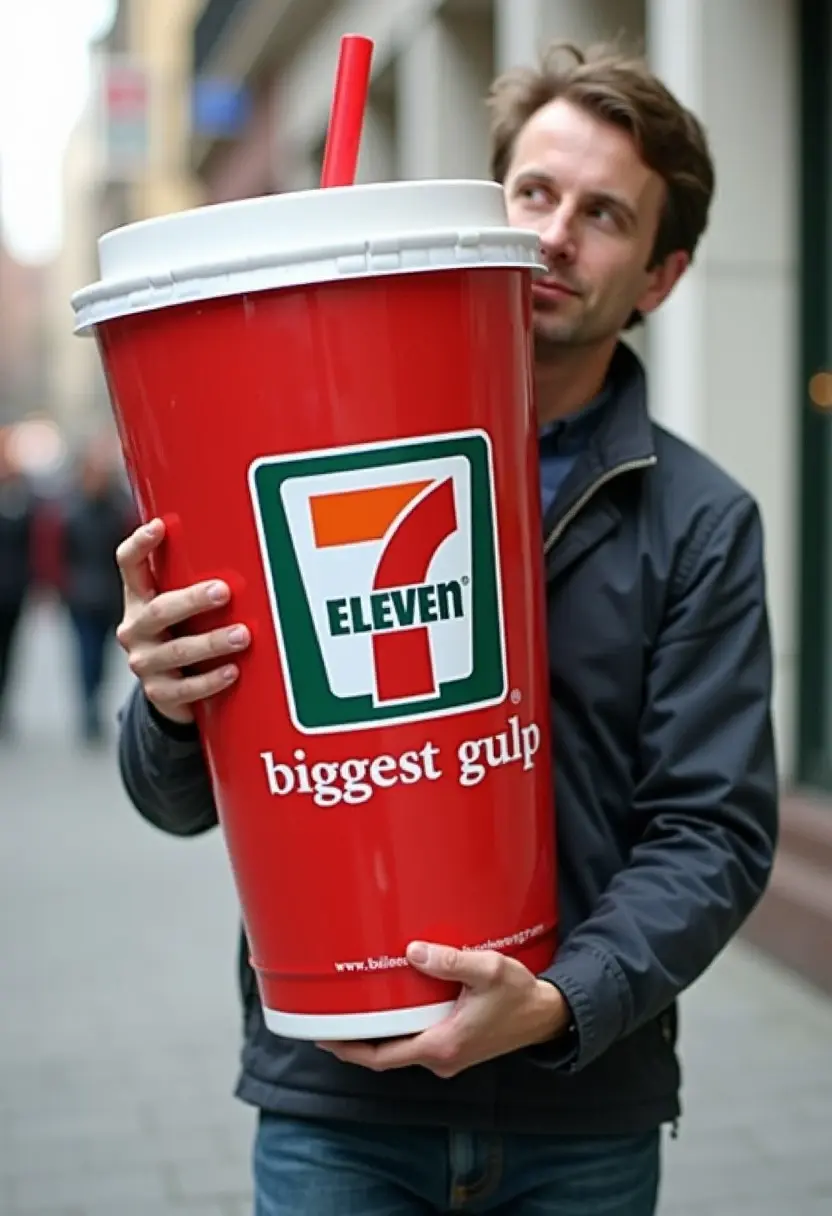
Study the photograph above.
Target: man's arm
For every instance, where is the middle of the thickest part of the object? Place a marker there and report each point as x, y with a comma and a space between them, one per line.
164, 771
707, 798
160, 754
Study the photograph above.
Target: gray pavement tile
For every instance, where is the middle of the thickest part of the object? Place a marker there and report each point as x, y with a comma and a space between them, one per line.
87, 1188
229, 1137
211, 1178
13, 1210
805, 1135
674, 1207
129, 1209
241, 1207
743, 1180
798, 1205
202, 1208
697, 1143
24, 1158
54, 1128
116, 1152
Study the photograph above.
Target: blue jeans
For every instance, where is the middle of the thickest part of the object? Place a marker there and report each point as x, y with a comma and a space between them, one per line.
316, 1168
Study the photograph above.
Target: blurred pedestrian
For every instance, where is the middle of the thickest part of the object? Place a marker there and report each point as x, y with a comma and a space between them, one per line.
17, 520
91, 519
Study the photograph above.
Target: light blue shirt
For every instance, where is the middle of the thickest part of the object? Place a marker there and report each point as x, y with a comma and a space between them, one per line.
562, 442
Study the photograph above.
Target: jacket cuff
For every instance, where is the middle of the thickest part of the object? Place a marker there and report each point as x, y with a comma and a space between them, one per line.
177, 732
597, 992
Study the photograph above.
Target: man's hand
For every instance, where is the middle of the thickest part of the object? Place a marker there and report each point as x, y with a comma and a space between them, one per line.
502, 1007
153, 654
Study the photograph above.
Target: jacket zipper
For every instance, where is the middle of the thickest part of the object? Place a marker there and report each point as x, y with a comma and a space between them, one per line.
646, 462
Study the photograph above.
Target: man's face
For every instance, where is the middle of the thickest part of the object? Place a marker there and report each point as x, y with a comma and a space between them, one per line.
581, 184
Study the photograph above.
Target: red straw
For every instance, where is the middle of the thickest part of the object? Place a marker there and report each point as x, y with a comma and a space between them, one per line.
349, 101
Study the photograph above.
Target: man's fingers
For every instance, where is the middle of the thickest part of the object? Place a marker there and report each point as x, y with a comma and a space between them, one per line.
438, 1049
353, 1053
169, 693
164, 664
186, 652
398, 1053
171, 608
132, 555
473, 968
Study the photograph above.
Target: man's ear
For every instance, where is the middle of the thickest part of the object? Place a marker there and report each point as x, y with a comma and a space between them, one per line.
661, 281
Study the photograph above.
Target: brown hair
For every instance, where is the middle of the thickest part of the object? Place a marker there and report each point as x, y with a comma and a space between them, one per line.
622, 91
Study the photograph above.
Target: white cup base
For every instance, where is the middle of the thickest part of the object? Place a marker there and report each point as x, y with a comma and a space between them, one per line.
333, 1027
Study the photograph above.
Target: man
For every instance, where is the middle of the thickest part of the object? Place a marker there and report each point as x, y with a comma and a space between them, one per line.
547, 1094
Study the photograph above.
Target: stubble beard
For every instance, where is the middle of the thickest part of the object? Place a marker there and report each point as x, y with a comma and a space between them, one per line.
554, 339
550, 344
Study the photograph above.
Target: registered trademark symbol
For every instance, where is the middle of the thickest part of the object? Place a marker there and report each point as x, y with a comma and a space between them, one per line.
465, 580
516, 696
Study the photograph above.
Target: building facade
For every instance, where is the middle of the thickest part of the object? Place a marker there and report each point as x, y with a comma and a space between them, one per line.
128, 158
77, 392
22, 336
23, 382
739, 359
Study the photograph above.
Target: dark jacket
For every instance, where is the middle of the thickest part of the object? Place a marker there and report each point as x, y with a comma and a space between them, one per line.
666, 791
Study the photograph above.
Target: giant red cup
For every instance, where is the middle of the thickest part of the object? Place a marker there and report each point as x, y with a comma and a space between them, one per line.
327, 397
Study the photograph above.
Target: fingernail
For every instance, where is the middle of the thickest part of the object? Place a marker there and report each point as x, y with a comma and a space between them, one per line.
229, 673
418, 952
218, 593
238, 636
151, 530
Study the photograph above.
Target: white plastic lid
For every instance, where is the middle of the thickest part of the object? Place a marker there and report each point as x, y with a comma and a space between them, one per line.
309, 236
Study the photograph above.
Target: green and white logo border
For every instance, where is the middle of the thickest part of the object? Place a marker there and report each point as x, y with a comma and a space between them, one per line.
401, 447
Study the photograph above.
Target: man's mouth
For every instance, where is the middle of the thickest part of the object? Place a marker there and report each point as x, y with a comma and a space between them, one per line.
550, 288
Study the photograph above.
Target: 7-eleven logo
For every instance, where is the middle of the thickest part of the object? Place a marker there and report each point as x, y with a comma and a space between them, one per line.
383, 573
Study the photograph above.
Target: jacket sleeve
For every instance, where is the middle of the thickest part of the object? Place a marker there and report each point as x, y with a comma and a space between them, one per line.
164, 770
706, 797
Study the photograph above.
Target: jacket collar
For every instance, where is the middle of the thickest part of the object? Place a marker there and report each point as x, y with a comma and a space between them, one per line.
622, 442
569, 436
625, 432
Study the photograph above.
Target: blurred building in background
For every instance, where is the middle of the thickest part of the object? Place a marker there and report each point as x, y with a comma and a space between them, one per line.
128, 159
144, 108
740, 359
23, 384
77, 391
234, 113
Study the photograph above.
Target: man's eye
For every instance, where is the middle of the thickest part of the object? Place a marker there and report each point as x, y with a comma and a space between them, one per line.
604, 214
534, 194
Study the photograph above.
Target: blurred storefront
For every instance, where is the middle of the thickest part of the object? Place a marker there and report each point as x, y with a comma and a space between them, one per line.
234, 109
142, 110
731, 356
23, 349
127, 159
22, 337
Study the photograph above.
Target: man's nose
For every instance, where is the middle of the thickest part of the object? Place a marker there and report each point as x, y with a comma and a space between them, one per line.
557, 237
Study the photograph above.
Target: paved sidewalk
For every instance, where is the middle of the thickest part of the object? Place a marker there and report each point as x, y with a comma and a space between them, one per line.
119, 1026
756, 1138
